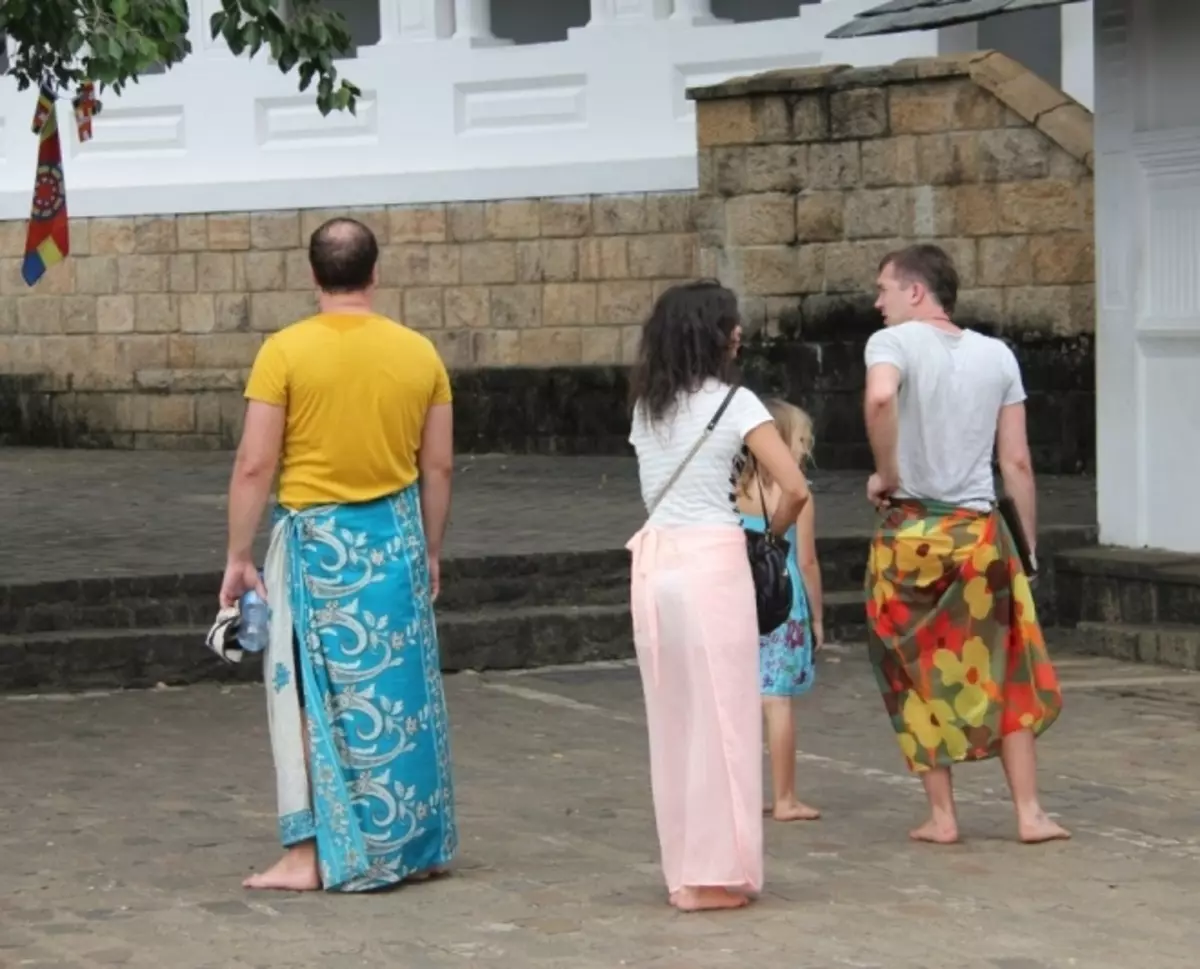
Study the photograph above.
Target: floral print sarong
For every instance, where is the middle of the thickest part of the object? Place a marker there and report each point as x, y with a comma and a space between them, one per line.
953, 634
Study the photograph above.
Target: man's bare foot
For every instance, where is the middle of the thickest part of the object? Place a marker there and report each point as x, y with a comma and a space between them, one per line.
707, 899
1038, 829
437, 871
296, 871
936, 831
790, 809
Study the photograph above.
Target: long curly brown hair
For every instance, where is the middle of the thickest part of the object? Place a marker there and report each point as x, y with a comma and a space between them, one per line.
686, 341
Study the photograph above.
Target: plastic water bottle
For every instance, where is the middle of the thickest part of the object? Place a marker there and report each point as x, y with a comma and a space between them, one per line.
254, 628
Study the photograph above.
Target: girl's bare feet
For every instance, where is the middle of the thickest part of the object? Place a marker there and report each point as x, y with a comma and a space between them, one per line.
789, 809
1038, 829
296, 871
938, 831
707, 899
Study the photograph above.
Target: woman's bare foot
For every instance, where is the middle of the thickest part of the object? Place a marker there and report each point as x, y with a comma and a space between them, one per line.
790, 809
296, 871
1038, 829
707, 899
938, 831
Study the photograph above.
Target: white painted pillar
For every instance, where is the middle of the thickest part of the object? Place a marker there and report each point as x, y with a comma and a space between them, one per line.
415, 20
605, 12
1079, 53
697, 13
1148, 274
200, 30
473, 23
958, 39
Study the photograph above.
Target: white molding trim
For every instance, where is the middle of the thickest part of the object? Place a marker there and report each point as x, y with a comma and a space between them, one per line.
612, 177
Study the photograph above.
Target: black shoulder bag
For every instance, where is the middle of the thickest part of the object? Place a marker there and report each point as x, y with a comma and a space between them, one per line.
767, 552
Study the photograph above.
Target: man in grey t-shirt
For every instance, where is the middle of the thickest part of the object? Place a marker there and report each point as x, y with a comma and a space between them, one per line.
954, 637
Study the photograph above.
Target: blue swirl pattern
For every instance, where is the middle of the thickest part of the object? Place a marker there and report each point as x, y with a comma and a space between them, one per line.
379, 748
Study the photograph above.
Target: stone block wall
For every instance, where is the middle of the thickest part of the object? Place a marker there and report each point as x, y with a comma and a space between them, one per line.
809, 177
144, 336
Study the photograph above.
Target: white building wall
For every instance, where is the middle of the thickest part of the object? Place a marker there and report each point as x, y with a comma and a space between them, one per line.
1148, 272
448, 113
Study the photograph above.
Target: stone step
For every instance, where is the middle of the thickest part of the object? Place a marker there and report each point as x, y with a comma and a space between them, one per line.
1175, 645
133, 658
1127, 585
480, 639
590, 578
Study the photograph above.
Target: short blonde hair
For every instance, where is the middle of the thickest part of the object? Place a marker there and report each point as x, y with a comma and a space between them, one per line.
795, 427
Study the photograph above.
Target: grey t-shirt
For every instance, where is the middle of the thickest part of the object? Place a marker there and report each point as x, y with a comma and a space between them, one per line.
952, 387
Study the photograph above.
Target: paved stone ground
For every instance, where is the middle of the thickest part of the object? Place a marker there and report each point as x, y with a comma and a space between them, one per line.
130, 819
75, 514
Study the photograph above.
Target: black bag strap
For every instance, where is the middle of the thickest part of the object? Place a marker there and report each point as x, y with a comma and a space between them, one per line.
771, 537
708, 429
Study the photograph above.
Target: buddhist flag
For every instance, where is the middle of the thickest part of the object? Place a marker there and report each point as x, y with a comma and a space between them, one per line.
48, 239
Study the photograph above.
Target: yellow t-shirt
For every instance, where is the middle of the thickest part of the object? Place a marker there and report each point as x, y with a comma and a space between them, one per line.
356, 388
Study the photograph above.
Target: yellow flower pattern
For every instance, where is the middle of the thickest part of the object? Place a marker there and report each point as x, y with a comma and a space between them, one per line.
971, 674
978, 597
923, 550
933, 725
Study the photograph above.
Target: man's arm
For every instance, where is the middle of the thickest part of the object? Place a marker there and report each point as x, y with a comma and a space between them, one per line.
1016, 468
883, 423
253, 473
435, 462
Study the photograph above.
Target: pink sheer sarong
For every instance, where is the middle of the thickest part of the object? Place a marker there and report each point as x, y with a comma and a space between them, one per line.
696, 633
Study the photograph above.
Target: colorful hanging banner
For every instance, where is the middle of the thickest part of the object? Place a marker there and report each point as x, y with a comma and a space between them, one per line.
86, 107
48, 240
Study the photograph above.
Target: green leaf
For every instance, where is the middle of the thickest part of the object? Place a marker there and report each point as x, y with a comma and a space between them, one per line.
233, 37
287, 58
120, 9
307, 71
217, 22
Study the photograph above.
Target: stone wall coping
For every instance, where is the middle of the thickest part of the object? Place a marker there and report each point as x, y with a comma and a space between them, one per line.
1058, 116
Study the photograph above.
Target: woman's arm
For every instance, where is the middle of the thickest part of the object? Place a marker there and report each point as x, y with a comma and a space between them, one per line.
810, 569
776, 458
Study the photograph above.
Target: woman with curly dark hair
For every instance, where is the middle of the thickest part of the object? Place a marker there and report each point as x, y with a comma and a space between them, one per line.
694, 616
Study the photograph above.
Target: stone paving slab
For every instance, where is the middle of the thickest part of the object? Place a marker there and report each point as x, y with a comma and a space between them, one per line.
80, 514
130, 819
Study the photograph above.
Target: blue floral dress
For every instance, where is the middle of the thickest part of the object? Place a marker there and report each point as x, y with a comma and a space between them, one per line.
785, 656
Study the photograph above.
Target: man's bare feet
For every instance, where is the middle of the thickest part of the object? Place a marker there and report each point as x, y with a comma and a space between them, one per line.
1038, 829
296, 871
938, 831
707, 899
790, 809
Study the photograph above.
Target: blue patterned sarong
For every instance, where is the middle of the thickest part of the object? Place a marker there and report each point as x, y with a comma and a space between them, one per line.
351, 582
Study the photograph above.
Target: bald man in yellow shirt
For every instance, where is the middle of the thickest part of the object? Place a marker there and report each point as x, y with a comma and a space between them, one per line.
354, 412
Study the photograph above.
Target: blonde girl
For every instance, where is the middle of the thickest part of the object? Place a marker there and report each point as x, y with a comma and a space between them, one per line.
786, 667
